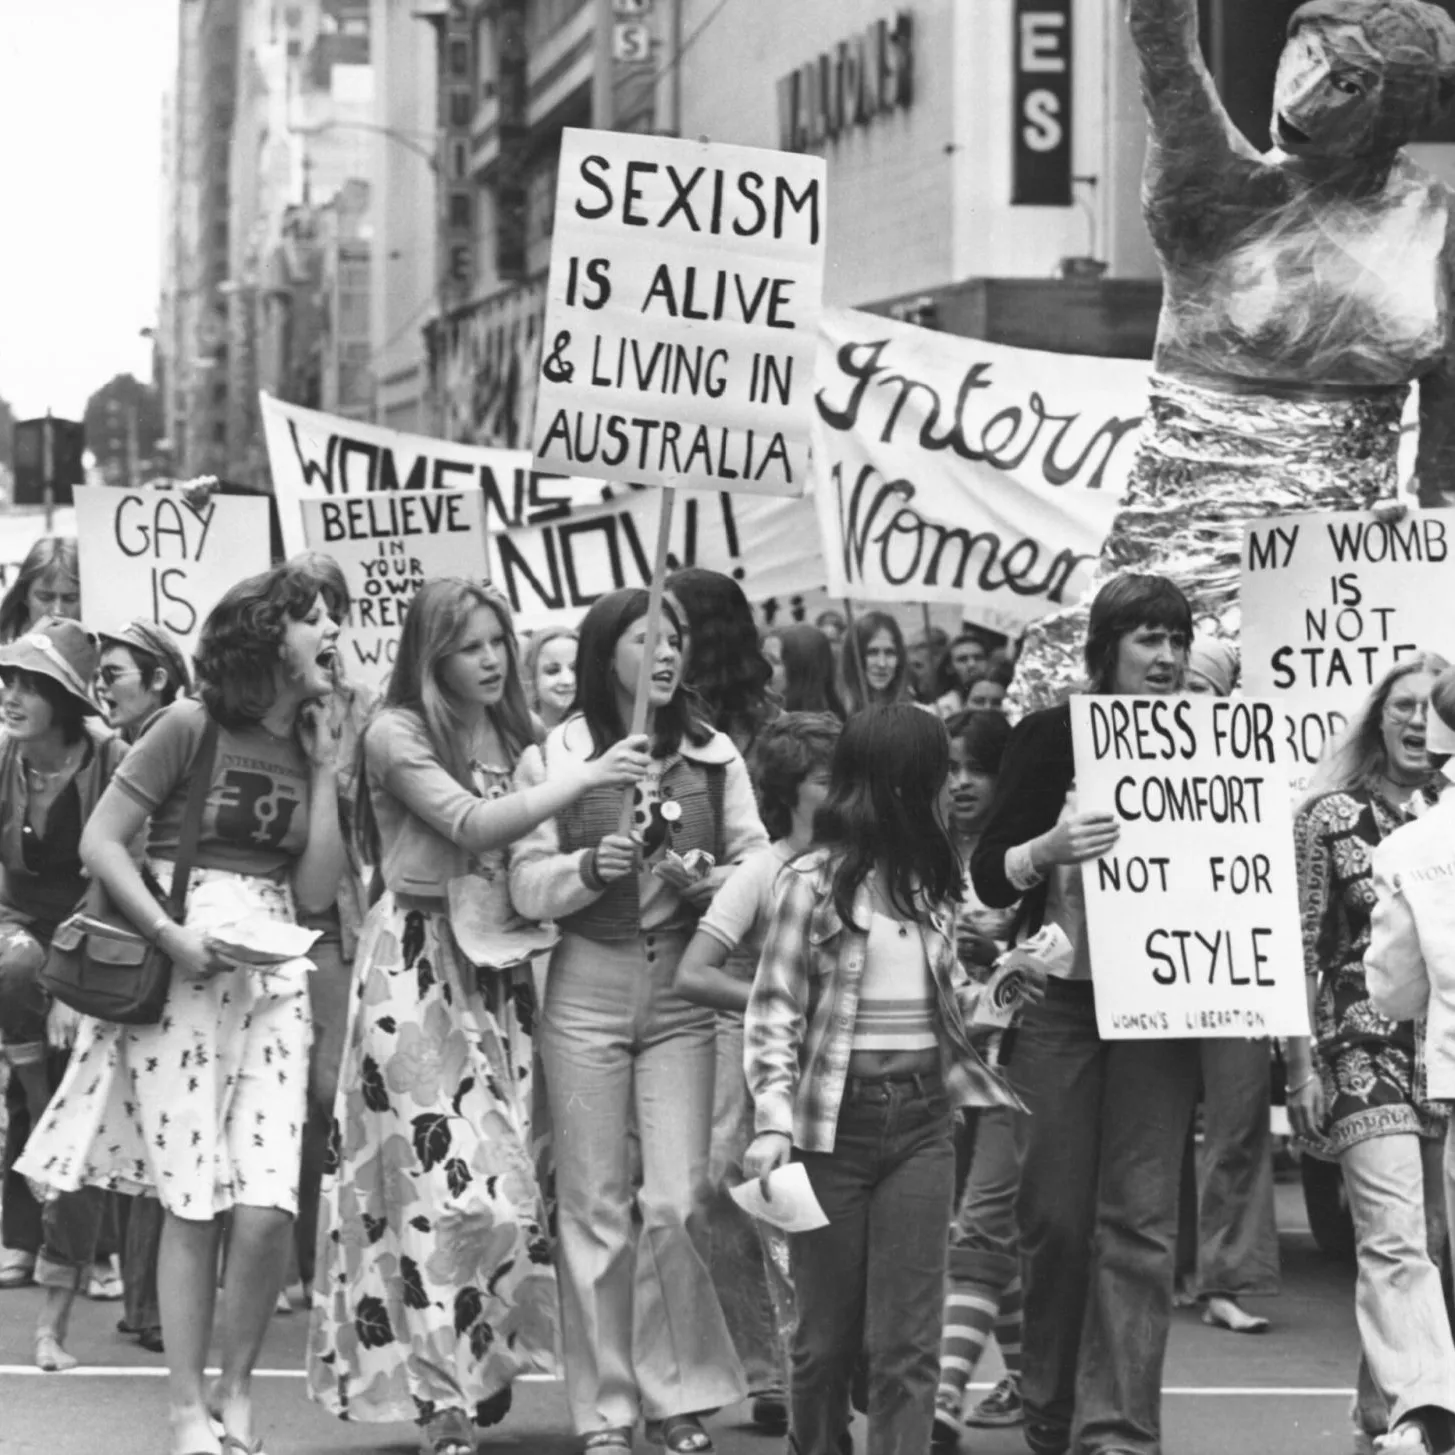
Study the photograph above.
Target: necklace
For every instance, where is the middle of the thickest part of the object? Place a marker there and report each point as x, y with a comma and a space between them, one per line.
41, 777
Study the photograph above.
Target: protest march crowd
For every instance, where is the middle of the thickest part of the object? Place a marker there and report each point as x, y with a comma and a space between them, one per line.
776, 1051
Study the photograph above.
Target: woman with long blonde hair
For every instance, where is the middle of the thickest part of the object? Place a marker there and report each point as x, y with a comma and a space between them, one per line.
435, 1287
1356, 1092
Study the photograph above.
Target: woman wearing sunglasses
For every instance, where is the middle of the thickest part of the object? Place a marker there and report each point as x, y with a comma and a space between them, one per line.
55, 760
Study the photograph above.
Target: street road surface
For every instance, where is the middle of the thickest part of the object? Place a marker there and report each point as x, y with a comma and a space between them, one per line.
1227, 1394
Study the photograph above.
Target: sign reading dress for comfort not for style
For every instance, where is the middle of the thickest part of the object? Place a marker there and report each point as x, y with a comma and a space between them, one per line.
1192, 920
149, 553
681, 314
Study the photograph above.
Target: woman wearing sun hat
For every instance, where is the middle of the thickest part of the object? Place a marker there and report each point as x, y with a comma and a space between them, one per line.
56, 758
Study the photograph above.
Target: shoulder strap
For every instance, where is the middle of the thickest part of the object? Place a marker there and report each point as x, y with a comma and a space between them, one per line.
192, 817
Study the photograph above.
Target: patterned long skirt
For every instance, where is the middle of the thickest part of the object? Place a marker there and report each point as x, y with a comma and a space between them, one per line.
435, 1286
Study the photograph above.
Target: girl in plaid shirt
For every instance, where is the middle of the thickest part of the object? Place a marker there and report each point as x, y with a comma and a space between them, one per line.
857, 1048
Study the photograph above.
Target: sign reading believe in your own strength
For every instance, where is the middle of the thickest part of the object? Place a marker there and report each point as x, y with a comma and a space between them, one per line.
149, 553
1192, 920
389, 546
681, 314
1330, 602
949, 469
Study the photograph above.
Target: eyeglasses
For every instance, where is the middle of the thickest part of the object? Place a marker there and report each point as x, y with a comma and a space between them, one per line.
110, 676
1406, 711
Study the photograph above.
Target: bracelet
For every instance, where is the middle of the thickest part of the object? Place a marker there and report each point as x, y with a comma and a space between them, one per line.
1307, 1081
154, 935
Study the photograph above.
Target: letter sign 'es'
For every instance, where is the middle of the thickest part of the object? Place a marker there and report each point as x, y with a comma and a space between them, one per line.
1042, 135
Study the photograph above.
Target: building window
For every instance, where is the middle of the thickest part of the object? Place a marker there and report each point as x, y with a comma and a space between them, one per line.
460, 59
219, 433
462, 107
219, 392
460, 210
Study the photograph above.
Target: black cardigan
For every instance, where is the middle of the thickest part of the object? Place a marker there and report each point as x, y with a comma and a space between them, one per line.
1036, 772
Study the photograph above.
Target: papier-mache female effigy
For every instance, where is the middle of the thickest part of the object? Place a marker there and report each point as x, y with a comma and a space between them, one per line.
1305, 290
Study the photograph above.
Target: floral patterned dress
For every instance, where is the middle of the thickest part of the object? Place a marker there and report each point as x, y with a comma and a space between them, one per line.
436, 1287
1372, 1068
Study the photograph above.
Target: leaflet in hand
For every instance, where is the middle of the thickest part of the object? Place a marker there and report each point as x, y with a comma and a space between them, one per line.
790, 1205
1048, 949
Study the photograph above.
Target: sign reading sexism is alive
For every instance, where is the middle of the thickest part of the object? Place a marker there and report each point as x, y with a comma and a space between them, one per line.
1330, 602
1193, 917
681, 315
149, 553
389, 545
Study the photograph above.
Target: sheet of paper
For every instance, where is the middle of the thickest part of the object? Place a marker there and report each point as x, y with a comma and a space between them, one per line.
790, 1204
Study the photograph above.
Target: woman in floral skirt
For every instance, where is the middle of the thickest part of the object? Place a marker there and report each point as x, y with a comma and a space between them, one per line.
435, 1287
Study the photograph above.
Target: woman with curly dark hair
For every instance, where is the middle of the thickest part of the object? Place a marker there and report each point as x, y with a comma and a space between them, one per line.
726, 667
207, 1106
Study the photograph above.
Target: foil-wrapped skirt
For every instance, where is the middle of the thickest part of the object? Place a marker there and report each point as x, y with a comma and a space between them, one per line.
1207, 463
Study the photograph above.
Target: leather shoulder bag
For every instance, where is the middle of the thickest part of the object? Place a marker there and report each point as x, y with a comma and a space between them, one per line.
98, 964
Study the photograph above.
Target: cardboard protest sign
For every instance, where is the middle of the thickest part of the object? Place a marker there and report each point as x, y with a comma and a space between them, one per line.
1193, 919
686, 280
389, 546
316, 456
949, 469
149, 553
552, 572
1330, 602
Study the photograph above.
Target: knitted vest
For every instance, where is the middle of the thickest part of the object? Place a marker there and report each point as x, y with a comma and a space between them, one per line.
617, 914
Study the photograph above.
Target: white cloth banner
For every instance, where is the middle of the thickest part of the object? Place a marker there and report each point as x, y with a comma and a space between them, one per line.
551, 544
949, 469
317, 456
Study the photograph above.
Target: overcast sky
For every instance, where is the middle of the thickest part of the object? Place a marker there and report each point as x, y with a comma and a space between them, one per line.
81, 84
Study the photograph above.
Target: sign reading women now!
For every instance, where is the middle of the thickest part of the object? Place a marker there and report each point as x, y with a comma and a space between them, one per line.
681, 315
1192, 919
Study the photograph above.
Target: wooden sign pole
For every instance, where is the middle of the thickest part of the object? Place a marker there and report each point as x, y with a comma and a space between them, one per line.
641, 706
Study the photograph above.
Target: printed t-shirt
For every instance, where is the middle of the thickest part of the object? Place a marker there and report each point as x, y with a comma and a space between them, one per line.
255, 820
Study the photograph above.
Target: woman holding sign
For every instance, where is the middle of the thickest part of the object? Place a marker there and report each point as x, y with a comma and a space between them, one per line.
1357, 1093
643, 1330
432, 1183
1097, 1207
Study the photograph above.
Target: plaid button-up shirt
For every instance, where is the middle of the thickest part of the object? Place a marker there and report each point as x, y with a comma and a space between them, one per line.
799, 1028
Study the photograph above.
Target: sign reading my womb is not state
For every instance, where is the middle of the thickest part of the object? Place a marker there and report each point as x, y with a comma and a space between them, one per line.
1192, 919
1330, 602
389, 545
681, 314
149, 553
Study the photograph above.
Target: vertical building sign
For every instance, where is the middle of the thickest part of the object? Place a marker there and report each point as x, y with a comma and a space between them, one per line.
1041, 175
512, 95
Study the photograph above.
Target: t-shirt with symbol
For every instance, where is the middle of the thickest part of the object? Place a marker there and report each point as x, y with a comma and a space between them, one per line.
256, 817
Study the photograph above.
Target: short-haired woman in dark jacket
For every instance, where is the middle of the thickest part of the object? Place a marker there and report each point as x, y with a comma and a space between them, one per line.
1097, 1208
642, 1330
